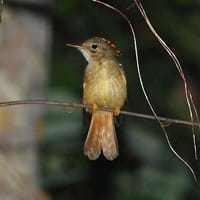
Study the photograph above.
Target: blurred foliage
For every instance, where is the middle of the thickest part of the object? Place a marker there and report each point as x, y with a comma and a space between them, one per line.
1, 9
146, 168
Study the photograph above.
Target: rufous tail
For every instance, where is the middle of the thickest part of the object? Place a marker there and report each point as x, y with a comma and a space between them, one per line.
101, 137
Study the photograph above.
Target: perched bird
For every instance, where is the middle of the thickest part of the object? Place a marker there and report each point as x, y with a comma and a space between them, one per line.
104, 85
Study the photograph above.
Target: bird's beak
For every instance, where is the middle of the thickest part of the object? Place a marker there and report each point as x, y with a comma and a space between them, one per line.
82, 49
74, 46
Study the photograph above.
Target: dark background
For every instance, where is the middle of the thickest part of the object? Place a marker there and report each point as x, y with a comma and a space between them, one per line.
145, 168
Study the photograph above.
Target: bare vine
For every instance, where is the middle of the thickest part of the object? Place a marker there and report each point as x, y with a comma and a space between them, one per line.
188, 95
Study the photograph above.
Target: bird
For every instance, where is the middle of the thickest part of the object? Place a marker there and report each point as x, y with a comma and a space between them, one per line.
104, 85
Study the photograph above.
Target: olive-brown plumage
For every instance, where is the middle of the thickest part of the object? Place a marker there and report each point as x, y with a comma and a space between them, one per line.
104, 85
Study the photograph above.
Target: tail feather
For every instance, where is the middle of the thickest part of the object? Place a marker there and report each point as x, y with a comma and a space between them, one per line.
101, 136
109, 142
92, 146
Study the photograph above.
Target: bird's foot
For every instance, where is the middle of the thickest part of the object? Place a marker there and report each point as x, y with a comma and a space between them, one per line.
94, 107
117, 111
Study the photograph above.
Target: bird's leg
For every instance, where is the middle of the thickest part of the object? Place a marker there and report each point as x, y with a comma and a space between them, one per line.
117, 111
94, 107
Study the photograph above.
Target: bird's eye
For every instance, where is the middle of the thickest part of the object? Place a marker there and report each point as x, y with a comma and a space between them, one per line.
94, 45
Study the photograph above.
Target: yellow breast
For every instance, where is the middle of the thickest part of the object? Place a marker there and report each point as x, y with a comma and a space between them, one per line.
104, 84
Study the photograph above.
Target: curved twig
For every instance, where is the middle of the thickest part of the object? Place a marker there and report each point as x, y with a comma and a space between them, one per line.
144, 90
191, 107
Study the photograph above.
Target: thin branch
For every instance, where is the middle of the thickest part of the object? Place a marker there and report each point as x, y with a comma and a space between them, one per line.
191, 107
80, 105
144, 90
